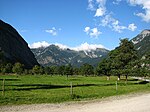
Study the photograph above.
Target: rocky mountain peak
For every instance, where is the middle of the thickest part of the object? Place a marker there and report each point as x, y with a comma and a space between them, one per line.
145, 32
142, 42
141, 36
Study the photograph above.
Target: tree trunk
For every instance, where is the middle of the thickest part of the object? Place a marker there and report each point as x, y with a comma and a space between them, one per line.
126, 78
118, 77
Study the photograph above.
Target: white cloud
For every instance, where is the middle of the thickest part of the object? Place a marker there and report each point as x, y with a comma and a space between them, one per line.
132, 27
91, 5
98, 6
100, 12
116, 2
115, 25
87, 47
92, 32
83, 47
107, 20
95, 32
39, 44
112, 23
87, 30
53, 31
145, 6
101, 2
61, 46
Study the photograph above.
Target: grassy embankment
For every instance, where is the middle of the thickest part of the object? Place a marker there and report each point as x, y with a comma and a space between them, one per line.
55, 89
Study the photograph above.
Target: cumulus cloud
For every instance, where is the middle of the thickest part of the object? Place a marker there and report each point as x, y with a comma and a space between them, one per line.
145, 6
53, 31
94, 32
39, 44
132, 27
83, 47
100, 12
87, 30
98, 6
101, 3
91, 5
115, 25
87, 47
106, 18
112, 23
61, 46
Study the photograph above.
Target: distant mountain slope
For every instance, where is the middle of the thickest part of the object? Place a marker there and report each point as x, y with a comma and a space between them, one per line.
53, 55
142, 42
14, 46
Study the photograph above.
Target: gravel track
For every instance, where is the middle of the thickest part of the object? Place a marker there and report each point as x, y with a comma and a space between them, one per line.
129, 103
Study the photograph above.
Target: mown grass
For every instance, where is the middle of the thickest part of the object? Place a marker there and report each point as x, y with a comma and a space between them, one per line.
31, 89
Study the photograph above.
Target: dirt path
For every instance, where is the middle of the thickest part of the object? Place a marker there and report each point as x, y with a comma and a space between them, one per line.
131, 103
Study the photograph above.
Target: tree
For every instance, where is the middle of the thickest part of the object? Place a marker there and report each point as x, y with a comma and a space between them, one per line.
87, 69
142, 66
54, 70
47, 70
61, 70
7, 68
146, 64
122, 57
37, 69
68, 70
104, 68
76, 71
18, 68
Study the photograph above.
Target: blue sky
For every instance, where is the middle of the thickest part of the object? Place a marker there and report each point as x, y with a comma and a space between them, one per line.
76, 23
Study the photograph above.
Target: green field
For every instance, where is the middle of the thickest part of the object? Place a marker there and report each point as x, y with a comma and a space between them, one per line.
55, 89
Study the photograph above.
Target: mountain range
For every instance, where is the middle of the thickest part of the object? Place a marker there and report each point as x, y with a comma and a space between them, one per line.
54, 55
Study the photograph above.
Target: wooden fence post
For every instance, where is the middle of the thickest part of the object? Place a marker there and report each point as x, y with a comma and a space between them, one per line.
116, 86
3, 87
71, 89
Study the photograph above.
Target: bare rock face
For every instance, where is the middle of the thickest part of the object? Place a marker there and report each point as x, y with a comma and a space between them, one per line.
15, 47
142, 42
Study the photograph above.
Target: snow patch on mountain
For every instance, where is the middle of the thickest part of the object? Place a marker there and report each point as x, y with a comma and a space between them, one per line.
83, 47
141, 36
145, 32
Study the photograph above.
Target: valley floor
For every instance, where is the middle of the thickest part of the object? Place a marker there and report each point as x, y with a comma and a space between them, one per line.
129, 103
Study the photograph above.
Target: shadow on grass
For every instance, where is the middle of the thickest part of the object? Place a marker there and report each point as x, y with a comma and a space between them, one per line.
28, 87
10, 79
132, 79
143, 82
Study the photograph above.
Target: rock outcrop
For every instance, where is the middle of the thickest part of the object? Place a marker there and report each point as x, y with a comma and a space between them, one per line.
14, 47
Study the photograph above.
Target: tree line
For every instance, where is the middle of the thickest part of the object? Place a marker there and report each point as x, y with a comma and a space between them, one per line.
123, 60
68, 70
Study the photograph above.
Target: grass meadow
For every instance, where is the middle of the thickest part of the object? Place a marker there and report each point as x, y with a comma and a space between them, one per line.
33, 89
